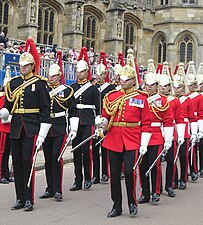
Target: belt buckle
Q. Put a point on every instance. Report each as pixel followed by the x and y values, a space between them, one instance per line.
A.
pixel 80 106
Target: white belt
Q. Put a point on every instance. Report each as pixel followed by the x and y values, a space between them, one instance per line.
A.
pixel 59 114
pixel 195 113
pixel 186 120
pixel 83 106
pixel 155 124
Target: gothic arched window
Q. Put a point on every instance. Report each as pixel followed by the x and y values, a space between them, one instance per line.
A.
pixel 161 50
pixel 4 10
pixel 129 36
pixel 46 25
pixel 186 49
pixel 89 30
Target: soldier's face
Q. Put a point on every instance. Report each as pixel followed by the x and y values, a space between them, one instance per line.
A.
pixel 200 87
pixel 151 89
pixel 81 75
pixel 24 70
pixel 54 79
pixel 179 90
pixel 165 89
pixel 127 84
pixel 192 87
pixel 101 77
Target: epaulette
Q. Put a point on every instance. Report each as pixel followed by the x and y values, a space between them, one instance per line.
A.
pixel 41 77
pixel 14 78
pixel 143 92
pixel 110 92
pixel 2 94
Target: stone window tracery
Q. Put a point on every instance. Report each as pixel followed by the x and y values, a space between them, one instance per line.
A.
pixel 186 49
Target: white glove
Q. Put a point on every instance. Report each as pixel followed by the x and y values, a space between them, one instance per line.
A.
pixel 72 134
pixel 200 135
pixel 74 121
pixel 193 138
pixel 145 138
pixel 167 145
pixel 98 120
pixel 142 150
pixel 4 114
pixel 181 140
pixel 44 129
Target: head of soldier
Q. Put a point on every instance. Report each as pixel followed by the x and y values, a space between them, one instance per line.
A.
pixel 164 84
pixel 27 64
pixel 54 75
pixel 178 85
pixel 117 70
pixel 101 73
pixel 191 82
pixel 82 70
pixel 151 83
pixel 127 77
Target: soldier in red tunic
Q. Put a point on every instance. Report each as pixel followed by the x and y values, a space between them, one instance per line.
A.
pixel 161 117
pixel 125 116
pixel 180 88
pixel 165 88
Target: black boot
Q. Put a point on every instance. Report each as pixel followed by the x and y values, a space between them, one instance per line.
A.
pixel 28 206
pixel 18 205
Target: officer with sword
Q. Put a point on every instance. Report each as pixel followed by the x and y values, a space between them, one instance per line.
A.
pixel 62 106
pixel 87 100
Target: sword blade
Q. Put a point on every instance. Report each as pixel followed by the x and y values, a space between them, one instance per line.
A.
pixel 137 162
pixel 83 142
pixel 177 152
pixel 64 148
pixel 153 164
pixel 100 141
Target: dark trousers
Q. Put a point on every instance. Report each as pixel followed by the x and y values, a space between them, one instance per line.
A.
pixel 82 155
pixel 23 150
pixel 52 148
pixel 96 159
pixel 193 160
pixel 170 168
pixel 183 157
pixel 116 159
pixel 201 154
pixel 5 149
pixel 147 160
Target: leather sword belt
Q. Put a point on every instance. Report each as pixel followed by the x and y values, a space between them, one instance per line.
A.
pixel 125 124
pixel 24 111
pixel 59 114
pixel 83 106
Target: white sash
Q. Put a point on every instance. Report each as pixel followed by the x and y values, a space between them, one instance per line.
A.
pixel 170 98
pixel 103 87
pixel 182 99
pixel 153 98
pixel 118 88
pixel 82 89
pixel 57 90
pixel 193 95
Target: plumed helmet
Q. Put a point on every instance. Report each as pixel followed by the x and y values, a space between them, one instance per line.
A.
pixel 26 58
pixel 191 73
pixel 179 77
pixel 7 75
pixel 82 65
pixel 54 69
pixel 164 78
pixel 200 74
pixel 117 68
pixel 127 72
pixel 151 77
pixel 100 69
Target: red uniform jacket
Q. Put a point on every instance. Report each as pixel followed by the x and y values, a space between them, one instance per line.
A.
pixel 177 110
pixel 130 107
pixel 197 101
pixel 4 127
pixel 161 115
pixel 188 112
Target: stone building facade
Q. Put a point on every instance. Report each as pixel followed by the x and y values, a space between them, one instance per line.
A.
pixel 169 30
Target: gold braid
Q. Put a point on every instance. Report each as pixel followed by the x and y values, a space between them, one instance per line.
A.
pixel 159 109
pixel 61 100
pixel 17 93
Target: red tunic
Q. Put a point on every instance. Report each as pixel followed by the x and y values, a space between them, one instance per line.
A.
pixel 161 115
pixel 132 108
pixel 197 101
pixel 188 113
pixel 177 110
pixel 4 127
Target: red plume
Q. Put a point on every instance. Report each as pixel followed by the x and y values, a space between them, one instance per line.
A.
pixel 137 71
pixel 159 68
pixel 31 48
pixel 83 55
pixel 176 69
pixel 102 59
pixel 121 59
pixel 59 61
